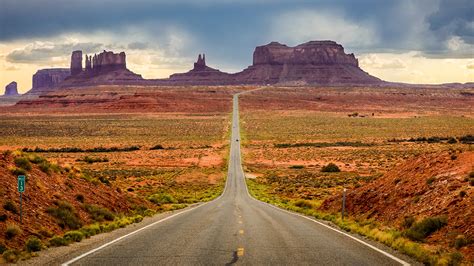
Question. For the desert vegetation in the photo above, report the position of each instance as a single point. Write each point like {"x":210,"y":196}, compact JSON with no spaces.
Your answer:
{"x":304,"y":151}
{"x":140,"y":164}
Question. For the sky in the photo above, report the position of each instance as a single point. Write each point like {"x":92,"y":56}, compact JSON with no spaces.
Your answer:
{"x":413,"y":41}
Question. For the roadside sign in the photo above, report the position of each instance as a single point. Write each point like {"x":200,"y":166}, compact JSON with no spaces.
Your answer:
{"x":21,"y":183}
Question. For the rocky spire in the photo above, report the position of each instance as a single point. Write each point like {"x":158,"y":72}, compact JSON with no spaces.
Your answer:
{"x":76,"y":62}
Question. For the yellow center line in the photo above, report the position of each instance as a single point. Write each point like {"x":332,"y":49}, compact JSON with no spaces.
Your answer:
{"x":240,"y":252}
{"x":241,"y":232}
{"x":240,"y":222}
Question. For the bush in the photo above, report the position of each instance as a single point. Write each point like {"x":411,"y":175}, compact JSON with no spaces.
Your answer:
{"x":3,"y":248}
{"x":330,"y":168}
{"x":12,"y":231}
{"x":461,"y":241}
{"x":90,"y":230}
{"x":74,"y":236}
{"x":420,"y":230}
{"x":408,"y":221}
{"x":452,"y":140}
{"x":58,"y":241}
{"x":157,"y":147}
{"x":23,"y":163}
{"x":10,"y":206}
{"x":303,"y":204}
{"x":11,"y":255}
{"x":137,"y":218}
{"x":91,"y":160}
{"x":297,"y":167}
{"x":36,"y":159}
{"x":65,"y":215}
{"x":80,"y":198}
{"x":430,"y":180}
{"x":33,"y":244}
{"x":162,"y":198}
{"x":18,"y":171}
{"x":98,"y":213}
{"x":3,"y":217}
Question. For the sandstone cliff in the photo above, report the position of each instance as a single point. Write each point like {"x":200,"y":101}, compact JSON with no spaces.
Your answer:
{"x":11,"y":89}
{"x":46,"y":79}
{"x":314,"y":62}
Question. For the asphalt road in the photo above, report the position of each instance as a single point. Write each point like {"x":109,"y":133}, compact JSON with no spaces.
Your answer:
{"x":236,"y":229}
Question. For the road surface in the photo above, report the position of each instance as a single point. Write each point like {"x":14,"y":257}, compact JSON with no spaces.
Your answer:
{"x":236,"y":229}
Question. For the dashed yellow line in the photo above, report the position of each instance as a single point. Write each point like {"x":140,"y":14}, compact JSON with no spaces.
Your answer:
{"x":240,"y":252}
{"x":241,"y":232}
{"x":240,"y":222}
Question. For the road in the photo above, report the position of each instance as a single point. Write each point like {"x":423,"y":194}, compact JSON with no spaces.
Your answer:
{"x":236,"y":229}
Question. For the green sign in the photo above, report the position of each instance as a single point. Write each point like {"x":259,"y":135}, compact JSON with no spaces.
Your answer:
{"x":21,"y":183}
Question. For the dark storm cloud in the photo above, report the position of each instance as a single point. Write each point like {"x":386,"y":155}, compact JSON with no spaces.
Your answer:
{"x":44,"y":52}
{"x":230,"y":30}
{"x":454,"y":18}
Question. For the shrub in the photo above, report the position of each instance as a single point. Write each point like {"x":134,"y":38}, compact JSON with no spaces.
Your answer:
{"x":11,"y":255}
{"x":65,"y":215}
{"x":3,"y":248}
{"x":18,"y":171}
{"x":80,"y":198}
{"x":74,"y":236}
{"x":162,"y":198}
{"x":157,"y":147}
{"x":408,"y":221}
{"x":35,"y":158}
{"x":452,"y":140}
{"x":90,"y":230}
{"x":12,"y":231}
{"x":430,"y":180}
{"x":58,"y":241}
{"x":45,"y":167}
{"x":3,"y":217}
{"x":91,"y":160}
{"x":10,"y":206}
{"x":137,"y":218}
{"x":330,"y":168}
{"x":420,"y":230}
{"x":462,"y":193}
{"x":297,"y":167}
{"x":461,"y":241}
{"x":303,"y":204}
{"x":23,"y":163}
{"x":98,"y":213}
{"x":467,"y":139}
{"x":33,"y":244}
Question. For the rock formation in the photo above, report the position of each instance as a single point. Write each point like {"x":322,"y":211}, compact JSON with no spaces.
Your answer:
{"x":104,"y":68}
{"x":314,"y":62}
{"x":201,"y":74}
{"x":11,"y":89}
{"x":76,"y":63}
{"x":46,"y":79}
{"x":311,"y":63}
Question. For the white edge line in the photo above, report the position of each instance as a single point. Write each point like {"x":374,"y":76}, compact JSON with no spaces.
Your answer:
{"x":162,"y":220}
{"x":145,"y":227}
{"x":402,"y":262}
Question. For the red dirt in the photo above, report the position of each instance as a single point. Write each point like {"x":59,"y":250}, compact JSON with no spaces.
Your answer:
{"x":406,"y":191}
{"x":383,"y":102}
{"x":42,"y":190}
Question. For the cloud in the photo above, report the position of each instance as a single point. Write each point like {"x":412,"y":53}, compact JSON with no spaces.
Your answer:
{"x":137,"y":45}
{"x":47,"y":52}
{"x":454,"y":18}
{"x":304,"y":25}
{"x":380,"y":62}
